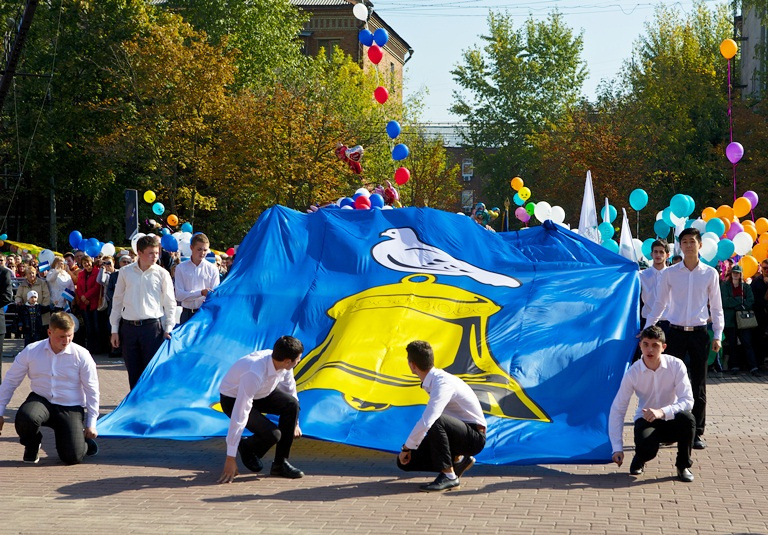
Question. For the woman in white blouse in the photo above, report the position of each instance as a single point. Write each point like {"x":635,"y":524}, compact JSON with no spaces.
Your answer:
{"x":59,"y":280}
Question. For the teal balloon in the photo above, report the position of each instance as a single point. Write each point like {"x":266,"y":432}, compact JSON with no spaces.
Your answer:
{"x":661,"y":229}
{"x":611,"y":213}
{"x":518,"y":200}
{"x":638,"y":199}
{"x":689,"y":223}
{"x":648,"y":247}
{"x":715,"y":225}
{"x":611,"y":245}
{"x":606,"y":231}
{"x":666,"y":216}
{"x":725,"y":249}
{"x":679,"y":205}
{"x":186,"y":227}
{"x":158,"y":208}
{"x":691,"y":205}
{"x":711,"y":262}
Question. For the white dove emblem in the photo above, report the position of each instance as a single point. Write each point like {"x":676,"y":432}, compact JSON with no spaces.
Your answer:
{"x":405,"y":252}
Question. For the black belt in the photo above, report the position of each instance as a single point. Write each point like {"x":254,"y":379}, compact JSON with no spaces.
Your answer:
{"x":191,"y":310}
{"x":139,"y":323}
{"x":689,"y":329}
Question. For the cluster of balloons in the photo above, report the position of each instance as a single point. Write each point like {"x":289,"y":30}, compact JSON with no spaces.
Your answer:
{"x":381,"y":199}
{"x":351,"y":156}
{"x":483,"y":215}
{"x":3,"y":237}
{"x":606,"y":228}
{"x":542,"y":210}
{"x":159,"y":209}
{"x":91,"y":246}
{"x":680,"y":207}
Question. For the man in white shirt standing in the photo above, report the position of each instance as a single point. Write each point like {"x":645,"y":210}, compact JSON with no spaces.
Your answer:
{"x":451,"y":429}
{"x":649,"y":282}
{"x":64,"y":396}
{"x":143,"y":309}
{"x":195,"y":279}
{"x":689,"y":293}
{"x":664,"y":407}
{"x":262,"y":382}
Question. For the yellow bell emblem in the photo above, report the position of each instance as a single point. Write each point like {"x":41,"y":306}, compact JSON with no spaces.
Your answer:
{"x":368,"y":364}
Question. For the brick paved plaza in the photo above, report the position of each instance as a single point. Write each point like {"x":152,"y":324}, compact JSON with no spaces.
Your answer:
{"x":158,"y":486}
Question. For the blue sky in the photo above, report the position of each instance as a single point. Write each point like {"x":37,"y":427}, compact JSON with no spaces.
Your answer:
{"x":439,"y":30}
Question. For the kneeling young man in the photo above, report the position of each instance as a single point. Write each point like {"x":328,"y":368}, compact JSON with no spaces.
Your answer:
{"x":262,"y":382}
{"x":663,"y":415}
{"x":451,"y":429}
{"x":64,"y":396}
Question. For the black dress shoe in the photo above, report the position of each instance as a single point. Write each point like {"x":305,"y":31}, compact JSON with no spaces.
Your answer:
{"x":32,"y":453}
{"x":699,"y":444}
{"x":636,"y":467}
{"x":463,"y":465}
{"x":92,"y":447}
{"x":684,"y":474}
{"x":441,"y":483}
{"x":286,"y":469}
{"x":250,"y":459}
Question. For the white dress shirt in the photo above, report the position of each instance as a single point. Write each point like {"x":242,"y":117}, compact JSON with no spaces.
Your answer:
{"x":143,"y":295}
{"x":448,"y":395}
{"x":683,"y":295}
{"x":252,"y":377}
{"x":68,"y":378}
{"x":667,"y":388}
{"x":190,"y":280}
{"x":58,"y":281}
{"x":649,"y":282}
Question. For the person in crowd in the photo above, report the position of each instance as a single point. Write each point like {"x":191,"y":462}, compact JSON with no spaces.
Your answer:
{"x":676,"y":259}
{"x":34,"y":283}
{"x":123,"y":260}
{"x":262,"y":382}
{"x":79,"y":255}
{"x":229,"y":261}
{"x":87,"y":293}
{"x":196,"y":278}
{"x":737,"y":297}
{"x":450,"y":431}
{"x":6,"y":298}
{"x":688,"y":294}
{"x":10,"y":263}
{"x":663,"y":414}
{"x":72,"y":268}
{"x":759,"y":286}
{"x":30,"y":319}
{"x":219,"y":265}
{"x":59,"y":281}
{"x":143,"y":309}
{"x":64,"y":394}
{"x":649,"y":282}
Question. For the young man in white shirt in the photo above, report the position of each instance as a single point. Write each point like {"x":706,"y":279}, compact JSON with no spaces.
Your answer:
{"x":664,"y":407}
{"x":143,"y":309}
{"x":451,"y":429}
{"x":195,"y":279}
{"x":649,"y":283}
{"x":688,"y":294}
{"x":64,"y":396}
{"x":262,"y":382}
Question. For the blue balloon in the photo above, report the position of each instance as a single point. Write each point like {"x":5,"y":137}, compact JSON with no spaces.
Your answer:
{"x":164,"y":231}
{"x":377,"y":201}
{"x":606,"y":230}
{"x":666,"y":216}
{"x":365,"y":37}
{"x":158,"y":208}
{"x":3,"y":237}
{"x":92,"y":247}
{"x":75,"y":237}
{"x":679,"y":205}
{"x":393,"y":129}
{"x":648,"y":247}
{"x":381,"y":37}
{"x":661,"y":228}
{"x":691,"y":205}
{"x":82,"y":245}
{"x":611,"y":245}
{"x":400,"y":152}
{"x":518,"y":200}
{"x":169,"y":243}
{"x":715,"y":225}
{"x":211,"y":257}
{"x":638,"y":199}
{"x":725,"y":249}
{"x":186,"y":227}
{"x":346,"y":201}
{"x":611,"y":213}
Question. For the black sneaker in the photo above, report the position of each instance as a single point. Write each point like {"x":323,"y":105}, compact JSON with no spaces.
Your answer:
{"x":466,"y":462}
{"x":93,"y":448}
{"x":684,"y":474}
{"x":32,"y":453}
{"x":250,"y":459}
{"x":636,"y":467}
{"x":286,"y":469}
{"x":441,"y":483}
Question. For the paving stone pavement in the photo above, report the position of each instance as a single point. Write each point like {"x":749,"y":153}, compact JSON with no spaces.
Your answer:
{"x":161,"y":486}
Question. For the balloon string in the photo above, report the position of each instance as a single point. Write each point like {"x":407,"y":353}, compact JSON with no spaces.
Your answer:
{"x":730,"y":107}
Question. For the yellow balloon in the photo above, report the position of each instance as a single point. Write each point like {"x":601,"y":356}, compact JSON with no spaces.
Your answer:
{"x":708,"y":213}
{"x":748,"y":223}
{"x":763,"y":238}
{"x":751,"y":231}
{"x":761,"y":225}
{"x":760,"y":251}
{"x":725,"y":212}
{"x":149,"y":196}
{"x":749,"y":265}
{"x":524,"y":193}
{"x":727,"y":223}
{"x":742,"y":206}
{"x":516,"y":183}
{"x":728,"y":49}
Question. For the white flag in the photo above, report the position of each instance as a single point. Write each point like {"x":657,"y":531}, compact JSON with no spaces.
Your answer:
{"x":588,"y":217}
{"x":626,"y":245}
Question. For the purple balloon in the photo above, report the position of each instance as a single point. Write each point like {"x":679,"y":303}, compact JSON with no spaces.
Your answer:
{"x":752,"y":196}
{"x":735,"y":229}
{"x":522,"y":215}
{"x":734,"y":151}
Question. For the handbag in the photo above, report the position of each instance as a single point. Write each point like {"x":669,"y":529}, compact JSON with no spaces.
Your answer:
{"x":745,"y":319}
{"x":103,"y":303}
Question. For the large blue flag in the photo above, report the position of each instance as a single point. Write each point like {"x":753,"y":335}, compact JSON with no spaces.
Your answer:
{"x":540,"y":323}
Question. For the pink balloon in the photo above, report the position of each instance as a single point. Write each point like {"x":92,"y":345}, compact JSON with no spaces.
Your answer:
{"x":735,"y":229}
{"x":734,"y":152}
{"x":522,"y":215}
{"x":752,"y":196}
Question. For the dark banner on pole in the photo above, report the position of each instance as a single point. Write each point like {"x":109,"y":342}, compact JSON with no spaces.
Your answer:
{"x":131,"y":213}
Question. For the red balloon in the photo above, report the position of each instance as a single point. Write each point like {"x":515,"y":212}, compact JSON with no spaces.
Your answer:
{"x":402,"y":175}
{"x":362,"y":203}
{"x":375,"y":54}
{"x":381,"y":94}
{"x":231,"y":251}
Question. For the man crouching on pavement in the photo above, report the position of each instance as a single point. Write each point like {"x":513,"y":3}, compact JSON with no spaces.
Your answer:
{"x":451,"y":429}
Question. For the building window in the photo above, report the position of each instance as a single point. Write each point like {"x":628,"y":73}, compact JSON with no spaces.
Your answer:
{"x":467,"y":199}
{"x":392,"y":68}
{"x":328,"y":45}
{"x":467,"y":169}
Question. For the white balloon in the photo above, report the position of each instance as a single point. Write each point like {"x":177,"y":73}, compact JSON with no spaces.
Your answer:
{"x":638,"y":244}
{"x":134,"y":240}
{"x":360,"y":12}
{"x":46,"y":255}
{"x":708,"y":248}
{"x":676,"y":220}
{"x":700,"y":224}
{"x":338,"y":203}
{"x":743,"y":243}
{"x":74,"y":320}
{"x":185,"y":248}
{"x":542,"y":211}
{"x":710,"y":236}
{"x":363,"y":191}
{"x":461,"y":213}
{"x":658,"y":216}
{"x":347,"y":207}
{"x":558,"y":214}
{"x":386,"y":207}
{"x":108,"y":249}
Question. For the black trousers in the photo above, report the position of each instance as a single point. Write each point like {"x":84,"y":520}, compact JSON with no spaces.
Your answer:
{"x":448,"y":437}
{"x":649,"y":435}
{"x":66,"y":422}
{"x":695,"y":344}
{"x":265,"y":433}
{"x":187,"y":313}
{"x":139,"y":344}
{"x":736,"y":359}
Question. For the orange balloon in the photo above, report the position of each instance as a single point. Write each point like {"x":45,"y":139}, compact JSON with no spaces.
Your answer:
{"x":727,"y":223}
{"x":749,"y":265}
{"x":724,"y":211}
{"x":761,"y":225}
{"x":708,"y":213}
{"x":748,"y":223}
{"x":751,"y":231}
{"x":763,"y":238}
{"x":517,"y":183}
{"x":742,"y":206}
{"x":172,"y":220}
{"x":760,"y":251}
{"x":728,"y":49}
